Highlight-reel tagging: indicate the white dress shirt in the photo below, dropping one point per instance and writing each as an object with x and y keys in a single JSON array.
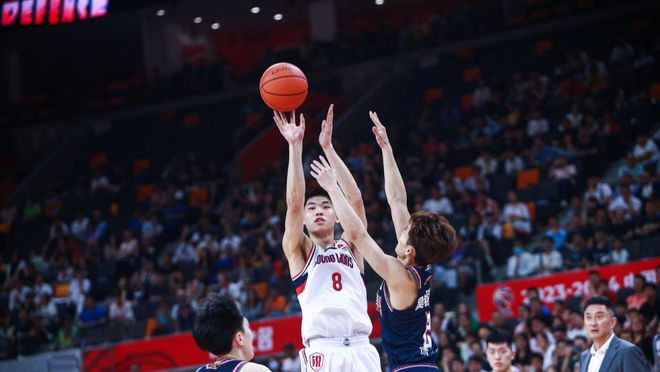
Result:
[{"x": 597, "y": 356}]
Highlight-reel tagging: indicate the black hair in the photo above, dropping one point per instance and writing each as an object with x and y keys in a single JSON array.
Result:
[
  {"x": 217, "y": 321},
  {"x": 317, "y": 191},
  {"x": 499, "y": 338},
  {"x": 599, "y": 300},
  {"x": 536, "y": 355}
]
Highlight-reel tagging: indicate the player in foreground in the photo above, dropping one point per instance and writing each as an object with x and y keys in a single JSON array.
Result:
[
  {"x": 424, "y": 238},
  {"x": 221, "y": 329},
  {"x": 327, "y": 273}
]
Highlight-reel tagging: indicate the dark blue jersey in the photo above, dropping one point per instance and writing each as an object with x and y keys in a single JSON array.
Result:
[
  {"x": 406, "y": 333},
  {"x": 223, "y": 365}
]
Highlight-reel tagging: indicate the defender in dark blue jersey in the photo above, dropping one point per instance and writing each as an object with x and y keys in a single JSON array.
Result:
[
  {"x": 221, "y": 329},
  {"x": 424, "y": 238}
]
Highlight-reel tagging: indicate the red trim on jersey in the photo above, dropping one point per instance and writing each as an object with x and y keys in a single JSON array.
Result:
[
  {"x": 301, "y": 288},
  {"x": 311, "y": 253}
]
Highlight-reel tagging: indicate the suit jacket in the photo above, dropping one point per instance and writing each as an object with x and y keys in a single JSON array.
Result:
[{"x": 621, "y": 356}]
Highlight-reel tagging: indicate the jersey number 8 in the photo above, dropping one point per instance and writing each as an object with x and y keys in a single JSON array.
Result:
[{"x": 336, "y": 282}]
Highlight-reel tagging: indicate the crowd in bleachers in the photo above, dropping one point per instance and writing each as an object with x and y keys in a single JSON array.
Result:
[{"x": 521, "y": 157}]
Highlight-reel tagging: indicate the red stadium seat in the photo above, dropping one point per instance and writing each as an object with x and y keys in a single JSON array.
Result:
[
  {"x": 98, "y": 160},
  {"x": 433, "y": 94},
  {"x": 528, "y": 177}
]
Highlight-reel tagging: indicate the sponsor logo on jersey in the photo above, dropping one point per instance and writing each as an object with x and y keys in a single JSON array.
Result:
[{"x": 316, "y": 361}]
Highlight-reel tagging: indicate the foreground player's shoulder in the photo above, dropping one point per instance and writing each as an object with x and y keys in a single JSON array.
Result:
[{"x": 254, "y": 367}]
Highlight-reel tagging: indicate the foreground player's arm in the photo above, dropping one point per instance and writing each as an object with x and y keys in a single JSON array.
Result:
[
  {"x": 387, "y": 267},
  {"x": 294, "y": 242},
  {"x": 395, "y": 189},
  {"x": 344, "y": 177}
]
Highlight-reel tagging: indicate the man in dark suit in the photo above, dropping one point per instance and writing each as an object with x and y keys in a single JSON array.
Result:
[{"x": 608, "y": 353}]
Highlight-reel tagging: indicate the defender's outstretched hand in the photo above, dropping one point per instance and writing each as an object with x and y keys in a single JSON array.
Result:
[
  {"x": 324, "y": 174},
  {"x": 325, "y": 137},
  {"x": 291, "y": 132},
  {"x": 379, "y": 131}
]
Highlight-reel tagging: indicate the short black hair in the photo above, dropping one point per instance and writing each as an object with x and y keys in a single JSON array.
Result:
[
  {"x": 317, "y": 191},
  {"x": 499, "y": 338},
  {"x": 536, "y": 355},
  {"x": 217, "y": 321},
  {"x": 599, "y": 300}
]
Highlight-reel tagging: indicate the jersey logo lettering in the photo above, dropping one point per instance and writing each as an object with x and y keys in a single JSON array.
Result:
[
  {"x": 341, "y": 258},
  {"x": 316, "y": 361},
  {"x": 423, "y": 301}
]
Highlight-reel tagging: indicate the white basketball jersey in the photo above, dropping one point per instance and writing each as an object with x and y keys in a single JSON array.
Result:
[{"x": 332, "y": 294}]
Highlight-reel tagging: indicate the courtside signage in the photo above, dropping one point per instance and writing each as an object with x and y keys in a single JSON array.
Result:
[{"x": 50, "y": 12}]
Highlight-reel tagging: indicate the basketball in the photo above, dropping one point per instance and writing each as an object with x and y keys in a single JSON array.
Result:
[{"x": 283, "y": 87}]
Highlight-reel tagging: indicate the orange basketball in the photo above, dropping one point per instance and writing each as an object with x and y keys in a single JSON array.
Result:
[{"x": 283, "y": 87}]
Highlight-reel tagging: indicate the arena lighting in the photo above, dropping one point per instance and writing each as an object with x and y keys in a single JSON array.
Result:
[
  {"x": 255, "y": 10},
  {"x": 380, "y": 2},
  {"x": 278, "y": 17},
  {"x": 36, "y": 12},
  {"x": 197, "y": 20},
  {"x": 160, "y": 12},
  {"x": 215, "y": 26}
]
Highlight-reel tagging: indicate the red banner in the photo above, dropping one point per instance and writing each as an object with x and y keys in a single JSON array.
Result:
[
  {"x": 180, "y": 350},
  {"x": 507, "y": 296}
]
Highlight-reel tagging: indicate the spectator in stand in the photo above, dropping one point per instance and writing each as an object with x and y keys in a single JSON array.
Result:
[
  {"x": 79, "y": 289},
  {"x": 67, "y": 337},
  {"x": 481, "y": 94},
  {"x": 231, "y": 241},
  {"x": 92, "y": 315},
  {"x": 549, "y": 259},
  {"x": 79, "y": 226},
  {"x": 127, "y": 254},
  {"x": 646, "y": 152},
  {"x": 121, "y": 311},
  {"x": 626, "y": 201},
  {"x": 599, "y": 251},
  {"x": 275, "y": 303},
  {"x": 490, "y": 229},
  {"x": 151, "y": 227},
  {"x": 183, "y": 312},
  {"x": 575, "y": 117},
  {"x": 541, "y": 153},
  {"x": 291, "y": 361},
  {"x": 485, "y": 205},
  {"x": 563, "y": 173},
  {"x": 648, "y": 223},
  {"x": 556, "y": 232},
  {"x": 477, "y": 182},
  {"x": 637, "y": 299},
  {"x": 522, "y": 263},
  {"x": 185, "y": 252},
  {"x": 575, "y": 255},
  {"x": 487, "y": 163},
  {"x": 601, "y": 191},
  {"x": 437, "y": 203},
  {"x": 537, "y": 124},
  {"x": 101, "y": 184},
  {"x": 631, "y": 167},
  {"x": 513, "y": 163},
  {"x": 516, "y": 213},
  {"x": 619, "y": 254}
]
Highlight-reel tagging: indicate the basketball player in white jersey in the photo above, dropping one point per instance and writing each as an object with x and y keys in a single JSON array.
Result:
[{"x": 327, "y": 273}]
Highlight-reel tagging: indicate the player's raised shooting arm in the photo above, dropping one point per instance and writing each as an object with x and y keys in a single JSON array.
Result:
[
  {"x": 344, "y": 177},
  {"x": 395, "y": 189},
  {"x": 294, "y": 240},
  {"x": 387, "y": 267}
]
